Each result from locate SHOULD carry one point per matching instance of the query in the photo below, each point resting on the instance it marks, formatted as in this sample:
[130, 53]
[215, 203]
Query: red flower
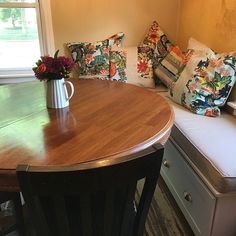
[153, 37]
[142, 66]
[53, 67]
[112, 69]
[42, 68]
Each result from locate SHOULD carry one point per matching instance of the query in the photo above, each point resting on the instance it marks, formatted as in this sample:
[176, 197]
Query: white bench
[199, 168]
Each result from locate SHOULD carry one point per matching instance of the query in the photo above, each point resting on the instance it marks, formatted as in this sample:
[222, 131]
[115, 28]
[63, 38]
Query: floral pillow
[157, 40]
[118, 65]
[168, 59]
[132, 65]
[144, 62]
[206, 82]
[92, 58]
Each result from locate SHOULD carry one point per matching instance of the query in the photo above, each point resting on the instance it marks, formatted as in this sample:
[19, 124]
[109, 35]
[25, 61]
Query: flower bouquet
[53, 68]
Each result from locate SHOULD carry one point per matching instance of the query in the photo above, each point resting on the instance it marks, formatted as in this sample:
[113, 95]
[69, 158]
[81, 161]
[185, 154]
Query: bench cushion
[210, 144]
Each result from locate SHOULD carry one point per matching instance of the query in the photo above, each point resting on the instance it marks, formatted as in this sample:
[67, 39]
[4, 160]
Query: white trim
[16, 75]
[42, 42]
[47, 26]
[16, 80]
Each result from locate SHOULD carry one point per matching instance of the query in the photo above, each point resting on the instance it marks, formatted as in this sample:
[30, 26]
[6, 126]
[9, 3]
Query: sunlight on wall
[211, 22]
[90, 20]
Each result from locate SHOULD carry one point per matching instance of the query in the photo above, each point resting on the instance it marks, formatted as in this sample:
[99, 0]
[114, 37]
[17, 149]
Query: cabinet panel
[194, 199]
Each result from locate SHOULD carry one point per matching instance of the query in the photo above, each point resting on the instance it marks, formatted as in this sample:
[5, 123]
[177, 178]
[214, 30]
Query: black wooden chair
[95, 201]
[18, 213]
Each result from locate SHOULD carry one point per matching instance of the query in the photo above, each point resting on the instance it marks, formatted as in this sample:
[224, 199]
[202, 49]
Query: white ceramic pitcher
[56, 93]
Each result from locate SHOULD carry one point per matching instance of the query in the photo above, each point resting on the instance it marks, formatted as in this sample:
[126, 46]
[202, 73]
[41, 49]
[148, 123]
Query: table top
[105, 121]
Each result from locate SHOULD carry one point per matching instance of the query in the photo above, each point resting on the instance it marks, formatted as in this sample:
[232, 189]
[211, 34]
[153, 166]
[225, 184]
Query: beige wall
[89, 20]
[212, 22]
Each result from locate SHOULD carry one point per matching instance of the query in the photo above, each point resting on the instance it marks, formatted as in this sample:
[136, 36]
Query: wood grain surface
[105, 122]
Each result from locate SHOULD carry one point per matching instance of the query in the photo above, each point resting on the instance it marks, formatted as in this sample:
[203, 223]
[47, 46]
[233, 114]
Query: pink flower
[106, 50]
[122, 74]
[215, 63]
[209, 79]
[123, 54]
[104, 72]
[192, 87]
[224, 72]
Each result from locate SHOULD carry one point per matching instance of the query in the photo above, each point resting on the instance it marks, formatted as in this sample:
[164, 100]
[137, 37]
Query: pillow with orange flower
[92, 58]
[117, 70]
[157, 40]
[168, 59]
[132, 65]
[206, 82]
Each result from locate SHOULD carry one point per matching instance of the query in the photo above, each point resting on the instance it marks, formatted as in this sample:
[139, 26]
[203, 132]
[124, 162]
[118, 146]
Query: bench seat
[210, 143]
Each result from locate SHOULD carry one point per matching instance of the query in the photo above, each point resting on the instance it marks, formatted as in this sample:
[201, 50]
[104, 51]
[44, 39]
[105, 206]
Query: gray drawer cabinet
[207, 212]
[193, 198]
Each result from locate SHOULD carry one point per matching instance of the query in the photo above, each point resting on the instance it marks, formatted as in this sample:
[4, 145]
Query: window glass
[19, 40]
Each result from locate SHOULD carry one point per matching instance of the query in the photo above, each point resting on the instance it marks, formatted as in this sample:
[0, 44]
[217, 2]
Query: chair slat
[86, 215]
[129, 213]
[143, 207]
[35, 207]
[61, 216]
[109, 212]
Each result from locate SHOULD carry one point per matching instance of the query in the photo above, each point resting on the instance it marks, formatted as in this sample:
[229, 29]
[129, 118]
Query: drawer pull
[187, 197]
[166, 163]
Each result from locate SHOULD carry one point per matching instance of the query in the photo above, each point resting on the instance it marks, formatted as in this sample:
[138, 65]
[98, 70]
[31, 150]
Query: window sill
[16, 78]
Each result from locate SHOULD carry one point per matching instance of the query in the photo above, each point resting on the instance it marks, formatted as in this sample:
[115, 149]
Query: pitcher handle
[72, 89]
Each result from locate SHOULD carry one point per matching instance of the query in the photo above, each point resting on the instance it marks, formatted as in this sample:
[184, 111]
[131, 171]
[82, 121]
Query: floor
[164, 217]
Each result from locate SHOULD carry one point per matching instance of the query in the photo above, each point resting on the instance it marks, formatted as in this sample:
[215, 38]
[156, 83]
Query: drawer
[193, 197]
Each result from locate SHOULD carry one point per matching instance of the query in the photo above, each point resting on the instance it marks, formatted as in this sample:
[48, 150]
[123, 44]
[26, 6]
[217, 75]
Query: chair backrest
[91, 202]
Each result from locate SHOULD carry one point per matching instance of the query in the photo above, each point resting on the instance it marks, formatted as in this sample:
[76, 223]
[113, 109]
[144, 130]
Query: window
[25, 34]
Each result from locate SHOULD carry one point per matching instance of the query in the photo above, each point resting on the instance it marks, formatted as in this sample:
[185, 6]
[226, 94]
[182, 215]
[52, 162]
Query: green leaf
[217, 77]
[226, 79]
[56, 54]
[100, 59]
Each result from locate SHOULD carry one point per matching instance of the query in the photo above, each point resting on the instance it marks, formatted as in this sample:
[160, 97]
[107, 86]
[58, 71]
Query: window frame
[45, 34]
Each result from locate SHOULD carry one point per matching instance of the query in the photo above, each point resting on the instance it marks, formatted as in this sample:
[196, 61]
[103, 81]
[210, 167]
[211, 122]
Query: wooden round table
[105, 122]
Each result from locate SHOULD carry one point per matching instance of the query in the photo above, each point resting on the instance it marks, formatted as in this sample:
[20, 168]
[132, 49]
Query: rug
[164, 217]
